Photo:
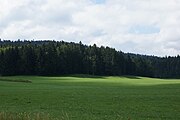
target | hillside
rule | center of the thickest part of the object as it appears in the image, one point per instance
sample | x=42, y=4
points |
x=62, y=58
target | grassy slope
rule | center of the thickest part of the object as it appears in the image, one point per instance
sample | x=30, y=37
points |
x=93, y=98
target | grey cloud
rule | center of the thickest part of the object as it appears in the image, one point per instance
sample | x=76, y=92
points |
x=20, y=13
x=108, y=23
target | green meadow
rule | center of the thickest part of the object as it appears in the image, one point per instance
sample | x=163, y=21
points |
x=84, y=97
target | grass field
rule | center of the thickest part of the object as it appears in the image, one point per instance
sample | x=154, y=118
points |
x=82, y=97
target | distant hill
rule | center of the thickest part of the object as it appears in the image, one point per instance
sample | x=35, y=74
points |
x=60, y=58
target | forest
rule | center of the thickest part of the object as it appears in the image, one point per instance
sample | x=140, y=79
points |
x=55, y=58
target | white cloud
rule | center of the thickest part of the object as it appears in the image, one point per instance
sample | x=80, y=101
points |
x=138, y=26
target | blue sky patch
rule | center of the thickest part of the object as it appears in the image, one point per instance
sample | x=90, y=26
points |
x=143, y=29
x=98, y=1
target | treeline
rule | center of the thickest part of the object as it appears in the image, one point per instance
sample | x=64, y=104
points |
x=61, y=58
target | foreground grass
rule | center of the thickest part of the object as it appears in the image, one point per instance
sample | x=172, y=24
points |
x=24, y=116
x=92, y=97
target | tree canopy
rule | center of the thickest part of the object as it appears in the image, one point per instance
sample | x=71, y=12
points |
x=61, y=58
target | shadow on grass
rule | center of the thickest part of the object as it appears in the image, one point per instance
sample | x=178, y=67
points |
x=11, y=80
x=75, y=75
x=86, y=76
x=131, y=77
x=102, y=77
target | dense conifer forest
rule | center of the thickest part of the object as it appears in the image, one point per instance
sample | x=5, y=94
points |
x=62, y=58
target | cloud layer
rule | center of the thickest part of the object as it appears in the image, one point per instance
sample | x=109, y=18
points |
x=138, y=26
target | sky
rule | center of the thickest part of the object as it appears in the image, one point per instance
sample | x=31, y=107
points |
x=150, y=27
